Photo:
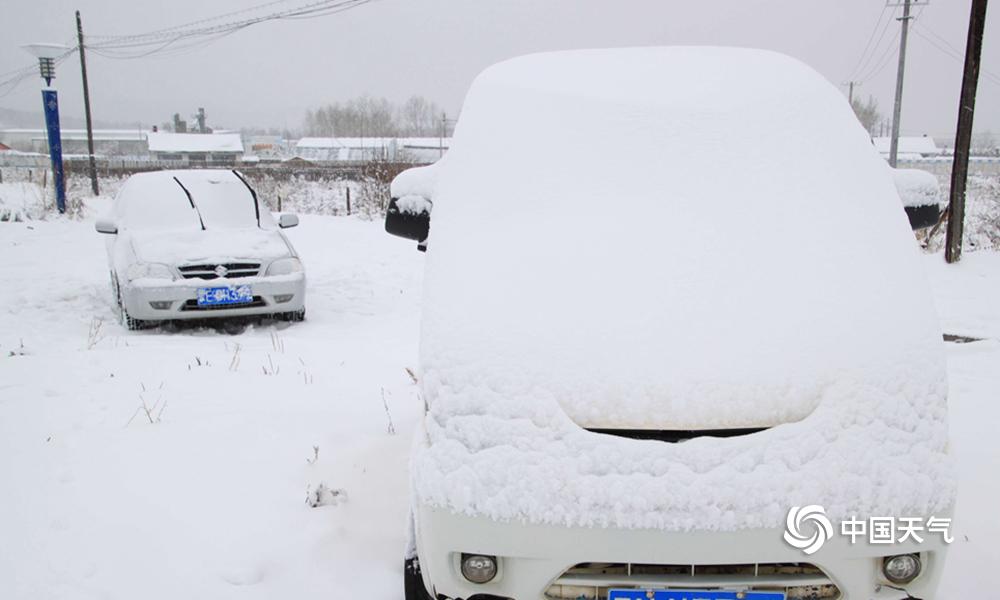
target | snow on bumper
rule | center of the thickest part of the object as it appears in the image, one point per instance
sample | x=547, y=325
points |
x=543, y=561
x=868, y=449
x=178, y=299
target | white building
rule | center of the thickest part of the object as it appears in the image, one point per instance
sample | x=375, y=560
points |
x=196, y=148
x=909, y=147
x=353, y=149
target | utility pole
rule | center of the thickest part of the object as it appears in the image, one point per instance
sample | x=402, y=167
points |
x=850, y=91
x=444, y=126
x=898, y=104
x=963, y=136
x=86, y=105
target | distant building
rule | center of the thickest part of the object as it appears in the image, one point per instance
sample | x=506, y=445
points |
x=354, y=149
x=909, y=147
x=107, y=142
x=196, y=148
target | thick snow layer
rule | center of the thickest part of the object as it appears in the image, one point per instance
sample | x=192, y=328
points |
x=917, y=187
x=209, y=502
x=218, y=200
x=418, y=181
x=211, y=245
x=967, y=294
x=22, y=201
x=715, y=276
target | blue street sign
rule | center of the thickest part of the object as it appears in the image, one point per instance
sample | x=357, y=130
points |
x=51, y=104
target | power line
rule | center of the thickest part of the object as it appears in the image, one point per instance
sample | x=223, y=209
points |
x=891, y=51
x=955, y=54
x=868, y=44
x=865, y=65
x=188, y=37
x=196, y=33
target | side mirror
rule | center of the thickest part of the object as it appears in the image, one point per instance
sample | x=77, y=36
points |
x=922, y=217
x=106, y=226
x=286, y=221
x=409, y=217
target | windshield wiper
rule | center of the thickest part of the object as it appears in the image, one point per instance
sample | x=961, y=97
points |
x=256, y=204
x=191, y=200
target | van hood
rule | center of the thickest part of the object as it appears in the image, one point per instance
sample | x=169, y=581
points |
x=211, y=245
x=715, y=275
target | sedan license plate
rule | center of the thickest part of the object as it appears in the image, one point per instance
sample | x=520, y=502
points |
x=692, y=595
x=214, y=296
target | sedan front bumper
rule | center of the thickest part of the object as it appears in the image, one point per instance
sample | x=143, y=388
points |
x=149, y=300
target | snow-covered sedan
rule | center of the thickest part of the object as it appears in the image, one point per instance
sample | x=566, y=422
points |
x=194, y=244
x=676, y=342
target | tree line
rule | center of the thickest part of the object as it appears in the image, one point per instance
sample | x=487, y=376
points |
x=366, y=116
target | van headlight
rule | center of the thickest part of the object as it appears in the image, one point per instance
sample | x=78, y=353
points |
x=149, y=271
x=479, y=568
x=902, y=568
x=285, y=266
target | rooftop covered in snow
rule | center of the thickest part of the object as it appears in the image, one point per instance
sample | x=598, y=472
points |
x=216, y=143
x=912, y=145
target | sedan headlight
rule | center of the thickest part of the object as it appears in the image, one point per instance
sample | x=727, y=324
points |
x=149, y=271
x=479, y=568
x=285, y=266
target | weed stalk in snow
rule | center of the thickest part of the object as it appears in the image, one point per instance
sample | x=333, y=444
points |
x=390, y=429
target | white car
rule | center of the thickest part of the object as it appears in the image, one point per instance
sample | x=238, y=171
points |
x=676, y=342
x=194, y=244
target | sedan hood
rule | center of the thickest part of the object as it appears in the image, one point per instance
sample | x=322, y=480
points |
x=213, y=245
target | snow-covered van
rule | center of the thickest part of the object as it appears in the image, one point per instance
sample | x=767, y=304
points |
x=676, y=341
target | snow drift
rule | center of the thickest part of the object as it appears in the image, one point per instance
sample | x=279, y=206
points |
x=747, y=293
x=917, y=187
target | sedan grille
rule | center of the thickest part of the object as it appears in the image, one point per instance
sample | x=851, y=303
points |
x=193, y=305
x=591, y=581
x=217, y=270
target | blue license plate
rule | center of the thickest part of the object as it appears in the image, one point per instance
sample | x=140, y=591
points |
x=214, y=296
x=692, y=595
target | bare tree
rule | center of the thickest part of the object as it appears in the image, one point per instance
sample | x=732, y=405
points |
x=366, y=116
x=868, y=113
x=419, y=117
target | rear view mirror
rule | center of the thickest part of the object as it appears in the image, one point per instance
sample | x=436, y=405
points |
x=409, y=217
x=106, y=226
x=924, y=216
x=286, y=221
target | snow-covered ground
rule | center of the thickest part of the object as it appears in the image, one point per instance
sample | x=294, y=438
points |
x=205, y=496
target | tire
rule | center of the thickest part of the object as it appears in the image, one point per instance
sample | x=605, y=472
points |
x=413, y=581
x=123, y=317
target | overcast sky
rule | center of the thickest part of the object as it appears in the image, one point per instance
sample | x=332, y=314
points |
x=269, y=74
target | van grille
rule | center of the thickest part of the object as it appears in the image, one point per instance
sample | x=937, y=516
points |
x=677, y=435
x=591, y=581
x=217, y=270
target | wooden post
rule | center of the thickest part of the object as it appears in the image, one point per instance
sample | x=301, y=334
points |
x=86, y=105
x=348, y=200
x=963, y=136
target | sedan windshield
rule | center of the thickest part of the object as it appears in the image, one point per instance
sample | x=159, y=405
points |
x=190, y=200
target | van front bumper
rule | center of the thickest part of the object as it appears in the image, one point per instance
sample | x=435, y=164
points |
x=542, y=561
